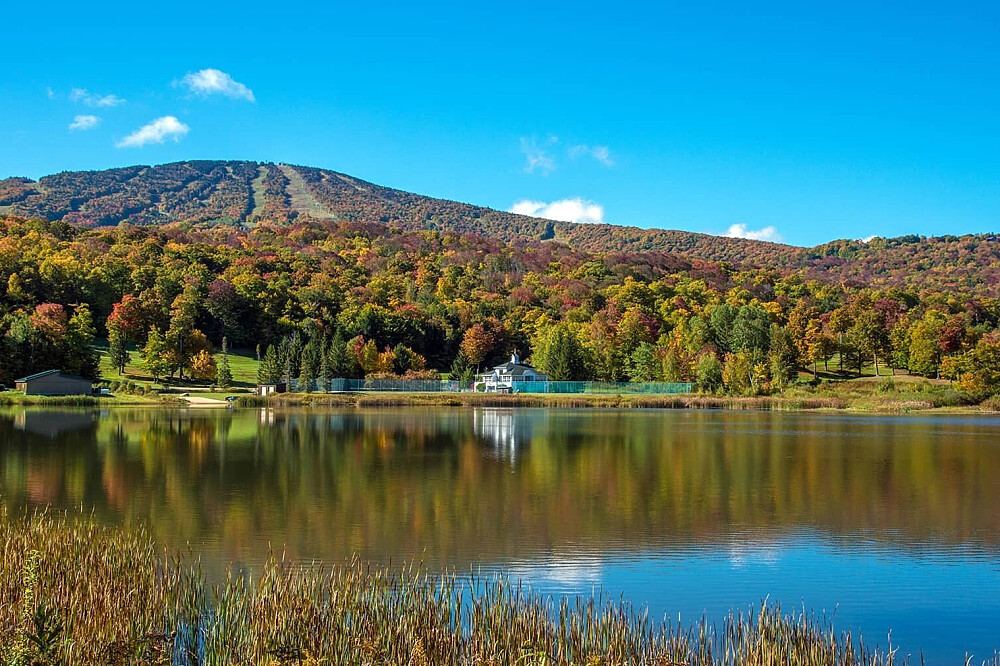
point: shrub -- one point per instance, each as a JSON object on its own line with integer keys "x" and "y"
{"x": 991, "y": 404}
{"x": 886, "y": 385}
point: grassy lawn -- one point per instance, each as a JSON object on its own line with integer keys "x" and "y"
{"x": 833, "y": 372}
{"x": 242, "y": 362}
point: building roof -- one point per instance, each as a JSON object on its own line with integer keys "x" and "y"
{"x": 515, "y": 369}
{"x": 46, "y": 373}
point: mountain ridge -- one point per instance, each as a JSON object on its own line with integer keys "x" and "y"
{"x": 240, "y": 192}
{"x": 248, "y": 194}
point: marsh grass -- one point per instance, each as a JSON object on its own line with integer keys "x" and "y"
{"x": 113, "y": 598}
{"x": 680, "y": 401}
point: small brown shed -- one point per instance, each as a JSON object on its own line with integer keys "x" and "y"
{"x": 54, "y": 382}
{"x": 268, "y": 389}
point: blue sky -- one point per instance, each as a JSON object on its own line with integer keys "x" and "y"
{"x": 798, "y": 121}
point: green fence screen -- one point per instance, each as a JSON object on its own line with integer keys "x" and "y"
{"x": 454, "y": 386}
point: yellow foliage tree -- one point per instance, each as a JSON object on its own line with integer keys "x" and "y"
{"x": 203, "y": 365}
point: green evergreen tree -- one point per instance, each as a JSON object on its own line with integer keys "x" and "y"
{"x": 183, "y": 312}
{"x": 224, "y": 375}
{"x": 325, "y": 372}
{"x": 283, "y": 360}
{"x": 342, "y": 364}
{"x": 461, "y": 370}
{"x": 308, "y": 363}
{"x": 558, "y": 362}
{"x": 401, "y": 359}
{"x": 565, "y": 357}
{"x": 294, "y": 359}
{"x": 288, "y": 371}
{"x": 720, "y": 322}
{"x": 81, "y": 359}
{"x": 270, "y": 369}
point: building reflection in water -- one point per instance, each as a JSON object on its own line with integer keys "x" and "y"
{"x": 504, "y": 430}
{"x": 52, "y": 424}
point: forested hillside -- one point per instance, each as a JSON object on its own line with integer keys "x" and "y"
{"x": 330, "y": 275}
{"x": 327, "y": 298}
{"x": 244, "y": 194}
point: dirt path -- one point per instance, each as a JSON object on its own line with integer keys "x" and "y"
{"x": 201, "y": 401}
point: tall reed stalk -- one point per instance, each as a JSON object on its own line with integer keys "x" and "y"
{"x": 120, "y": 600}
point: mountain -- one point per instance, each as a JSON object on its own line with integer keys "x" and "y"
{"x": 248, "y": 194}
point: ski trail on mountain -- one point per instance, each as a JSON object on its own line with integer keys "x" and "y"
{"x": 303, "y": 200}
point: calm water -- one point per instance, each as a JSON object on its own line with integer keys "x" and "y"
{"x": 882, "y": 522}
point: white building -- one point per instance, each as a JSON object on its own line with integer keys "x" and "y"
{"x": 507, "y": 377}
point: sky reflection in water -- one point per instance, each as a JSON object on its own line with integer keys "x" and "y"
{"x": 879, "y": 521}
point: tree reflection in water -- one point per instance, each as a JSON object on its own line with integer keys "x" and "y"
{"x": 894, "y": 521}
{"x": 459, "y": 486}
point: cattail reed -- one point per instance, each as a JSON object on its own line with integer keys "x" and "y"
{"x": 109, "y": 596}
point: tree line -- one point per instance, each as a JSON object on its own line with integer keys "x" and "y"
{"x": 316, "y": 300}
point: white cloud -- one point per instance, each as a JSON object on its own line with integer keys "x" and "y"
{"x": 868, "y": 239}
{"x": 599, "y": 153}
{"x": 84, "y": 122}
{"x": 90, "y": 99}
{"x": 567, "y": 210}
{"x": 768, "y": 233}
{"x": 566, "y": 573}
{"x": 215, "y": 82}
{"x": 50, "y": 93}
{"x": 537, "y": 157}
{"x": 158, "y": 131}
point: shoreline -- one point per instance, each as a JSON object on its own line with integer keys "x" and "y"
{"x": 869, "y": 404}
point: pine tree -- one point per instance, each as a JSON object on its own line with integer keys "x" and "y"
{"x": 461, "y": 370}
{"x": 307, "y": 367}
{"x": 81, "y": 359}
{"x": 282, "y": 356}
{"x": 341, "y": 363}
{"x": 294, "y": 360}
{"x": 565, "y": 358}
{"x": 559, "y": 357}
{"x": 269, "y": 370}
{"x": 325, "y": 373}
{"x": 401, "y": 359}
{"x": 224, "y": 375}
{"x": 288, "y": 371}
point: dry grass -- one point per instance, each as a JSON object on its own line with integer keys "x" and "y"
{"x": 681, "y": 401}
{"x": 122, "y": 602}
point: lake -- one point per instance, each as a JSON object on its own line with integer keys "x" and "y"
{"x": 881, "y": 522}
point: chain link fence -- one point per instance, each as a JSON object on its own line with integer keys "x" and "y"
{"x": 456, "y": 386}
